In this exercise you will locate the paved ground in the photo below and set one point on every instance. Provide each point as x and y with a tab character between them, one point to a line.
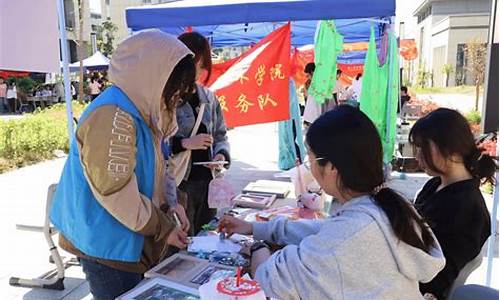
462	102
25	254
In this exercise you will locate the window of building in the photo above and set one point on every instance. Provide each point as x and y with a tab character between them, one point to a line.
69	14
461	66
424	14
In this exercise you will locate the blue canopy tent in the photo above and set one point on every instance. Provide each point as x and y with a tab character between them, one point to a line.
355	30
220	12
244	22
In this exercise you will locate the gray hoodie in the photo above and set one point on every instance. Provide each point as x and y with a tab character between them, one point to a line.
353	254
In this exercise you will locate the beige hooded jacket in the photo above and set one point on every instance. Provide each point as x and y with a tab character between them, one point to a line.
140	67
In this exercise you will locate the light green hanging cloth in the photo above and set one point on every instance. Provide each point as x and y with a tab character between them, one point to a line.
379	99
328	44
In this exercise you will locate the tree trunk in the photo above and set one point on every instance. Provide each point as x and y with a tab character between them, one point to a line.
80	50
447	79
478	85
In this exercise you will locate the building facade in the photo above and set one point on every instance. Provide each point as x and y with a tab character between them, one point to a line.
91	20
443	29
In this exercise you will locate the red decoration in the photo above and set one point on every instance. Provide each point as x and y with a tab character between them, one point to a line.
229	286
7	74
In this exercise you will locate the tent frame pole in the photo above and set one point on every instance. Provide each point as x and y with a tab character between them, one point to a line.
391	33
494	232
63	43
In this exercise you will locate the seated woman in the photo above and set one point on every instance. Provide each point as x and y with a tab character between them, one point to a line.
451	202
375	247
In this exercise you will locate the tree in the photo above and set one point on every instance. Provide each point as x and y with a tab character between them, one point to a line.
476	51
422	76
105	37
447	70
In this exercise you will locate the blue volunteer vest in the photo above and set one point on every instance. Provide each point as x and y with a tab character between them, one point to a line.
77	214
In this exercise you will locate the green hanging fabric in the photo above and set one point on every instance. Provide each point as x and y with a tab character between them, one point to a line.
328	44
379	97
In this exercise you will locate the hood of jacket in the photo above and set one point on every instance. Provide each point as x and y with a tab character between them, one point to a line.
140	67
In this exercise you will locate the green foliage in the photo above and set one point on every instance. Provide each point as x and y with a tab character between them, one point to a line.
105	37
422	77
34	137
26	84
447	69
473	117
487	188
11	80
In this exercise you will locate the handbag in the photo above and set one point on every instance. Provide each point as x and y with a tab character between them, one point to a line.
179	163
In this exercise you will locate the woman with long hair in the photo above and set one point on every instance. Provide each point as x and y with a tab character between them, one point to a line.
209	143
451	201
376	246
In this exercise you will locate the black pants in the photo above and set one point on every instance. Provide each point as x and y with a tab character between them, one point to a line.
197	209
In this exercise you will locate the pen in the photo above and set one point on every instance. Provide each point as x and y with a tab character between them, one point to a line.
177	221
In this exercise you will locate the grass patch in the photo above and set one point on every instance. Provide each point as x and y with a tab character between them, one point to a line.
35	137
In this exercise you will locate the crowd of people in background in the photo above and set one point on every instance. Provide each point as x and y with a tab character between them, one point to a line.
11	100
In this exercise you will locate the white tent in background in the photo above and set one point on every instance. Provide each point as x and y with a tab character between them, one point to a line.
95	62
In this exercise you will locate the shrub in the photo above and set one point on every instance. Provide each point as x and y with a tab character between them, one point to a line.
473	117
34	137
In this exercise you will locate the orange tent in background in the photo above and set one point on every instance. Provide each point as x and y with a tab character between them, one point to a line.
408	49
300	59
349	72
360	46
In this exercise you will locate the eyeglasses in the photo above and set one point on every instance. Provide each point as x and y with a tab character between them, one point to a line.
307	163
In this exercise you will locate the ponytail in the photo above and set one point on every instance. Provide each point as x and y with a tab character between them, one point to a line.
481	166
407	224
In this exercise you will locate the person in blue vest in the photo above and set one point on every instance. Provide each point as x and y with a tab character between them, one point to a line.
111	206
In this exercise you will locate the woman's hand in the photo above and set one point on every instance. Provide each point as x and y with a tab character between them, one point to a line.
230	225
177	238
198	142
218	157
429	296
181	213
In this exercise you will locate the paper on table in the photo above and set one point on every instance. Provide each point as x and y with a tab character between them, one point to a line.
212	243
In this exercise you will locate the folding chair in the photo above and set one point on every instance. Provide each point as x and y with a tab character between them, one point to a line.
53	279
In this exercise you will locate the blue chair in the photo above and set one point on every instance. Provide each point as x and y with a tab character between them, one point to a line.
474	292
464	273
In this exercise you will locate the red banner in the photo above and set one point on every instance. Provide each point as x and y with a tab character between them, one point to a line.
253	88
